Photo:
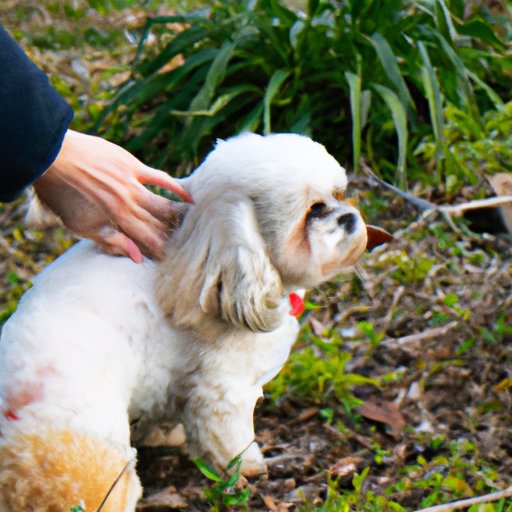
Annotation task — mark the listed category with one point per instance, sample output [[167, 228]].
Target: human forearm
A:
[[33, 120]]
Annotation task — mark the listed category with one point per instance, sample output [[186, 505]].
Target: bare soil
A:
[[441, 304]]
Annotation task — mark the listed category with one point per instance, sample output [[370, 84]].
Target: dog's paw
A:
[[253, 463]]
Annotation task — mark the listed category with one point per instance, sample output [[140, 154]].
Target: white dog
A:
[[100, 348]]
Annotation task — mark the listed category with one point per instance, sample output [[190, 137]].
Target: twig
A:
[[490, 202], [397, 295], [421, 336], [422, 205], [455, 505], [109, 492]]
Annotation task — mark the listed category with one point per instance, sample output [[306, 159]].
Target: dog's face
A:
[[269, 217], [297, 191]]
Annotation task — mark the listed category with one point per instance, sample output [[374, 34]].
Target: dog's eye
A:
[[317, 210], [339, 195]]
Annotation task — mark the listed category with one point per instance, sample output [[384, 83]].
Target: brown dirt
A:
[[441, 302]]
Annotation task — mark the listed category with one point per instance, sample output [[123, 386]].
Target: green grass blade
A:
[[354, 83], [492, 95], [207, 471], [285, 15], [433, 94], [400, 120], [312, 7], [465, 91], [215, 75], [389, 63], [182, 42], [274, 85], [366, 101], [252, 121], [219, 103], [443, 20], [478, 28]]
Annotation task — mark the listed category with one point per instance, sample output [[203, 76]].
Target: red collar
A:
[[297, 304]]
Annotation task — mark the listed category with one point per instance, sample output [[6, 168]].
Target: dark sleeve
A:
[[33, 120]]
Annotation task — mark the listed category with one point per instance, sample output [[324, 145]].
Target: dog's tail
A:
[[60, 471]]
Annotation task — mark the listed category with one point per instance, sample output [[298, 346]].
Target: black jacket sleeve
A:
[[33, 120]]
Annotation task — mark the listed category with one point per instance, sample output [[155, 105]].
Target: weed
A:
[[471, 146], [16, 287], [318, 372], [369, 68], [368, 329], [224, 491]]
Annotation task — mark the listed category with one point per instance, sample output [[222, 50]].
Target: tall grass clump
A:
[[368, 77]]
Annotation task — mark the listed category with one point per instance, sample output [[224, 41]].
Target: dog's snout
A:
[[348, 221]]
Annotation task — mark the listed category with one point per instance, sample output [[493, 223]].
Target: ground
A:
[[398, 390], [397, 395]]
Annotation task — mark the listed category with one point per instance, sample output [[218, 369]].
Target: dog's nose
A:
[[348, 221]]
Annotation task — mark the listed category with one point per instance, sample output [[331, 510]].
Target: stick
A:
[[420, 204], [109, 492], [455, 505], [490, 202], [435, 332], [448, 209]]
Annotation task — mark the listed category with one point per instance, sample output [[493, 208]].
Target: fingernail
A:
[[187, 197], [133, 251]]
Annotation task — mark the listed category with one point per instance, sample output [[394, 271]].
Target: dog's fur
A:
[[101, 348]]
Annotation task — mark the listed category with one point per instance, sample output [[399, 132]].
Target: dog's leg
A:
[[222, 391], [218, 419], [54, 470]]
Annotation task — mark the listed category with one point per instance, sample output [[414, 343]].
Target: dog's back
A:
[[67, 355]]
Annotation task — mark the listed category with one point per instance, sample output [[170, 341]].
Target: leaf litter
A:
[[427, 319], [428, 316]]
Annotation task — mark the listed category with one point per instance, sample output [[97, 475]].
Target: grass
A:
[[370, 78], [363, 340], [225, 490]]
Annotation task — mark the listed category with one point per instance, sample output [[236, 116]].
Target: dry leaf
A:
[[346, 466], [270, 503], [383, 412], [502, 185], [166, 499], [272, 506], [308, 413]]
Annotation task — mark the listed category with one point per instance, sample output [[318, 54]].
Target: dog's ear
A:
[[218, 269], [377, 236]]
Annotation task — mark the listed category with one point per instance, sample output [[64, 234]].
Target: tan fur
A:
[[54, 471], [298, 242]]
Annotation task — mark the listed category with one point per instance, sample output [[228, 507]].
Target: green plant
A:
[[318, 372], [473, 148], [381, 71], [17, 286], [368, 329], [224, 491]]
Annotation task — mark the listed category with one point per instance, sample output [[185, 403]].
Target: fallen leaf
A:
[[310, 412], [269, 503], [502, 185], [384, 412], [168, 498], [345, 467]]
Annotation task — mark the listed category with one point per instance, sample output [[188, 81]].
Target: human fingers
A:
[[143, 228], [158, 206], [116, 243], [148, 175]]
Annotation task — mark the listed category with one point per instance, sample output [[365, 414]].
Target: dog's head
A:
[[269, 217]]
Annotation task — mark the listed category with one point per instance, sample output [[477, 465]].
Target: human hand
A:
[[97, 190]]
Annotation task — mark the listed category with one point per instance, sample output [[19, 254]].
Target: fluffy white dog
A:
[[100, 348]]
